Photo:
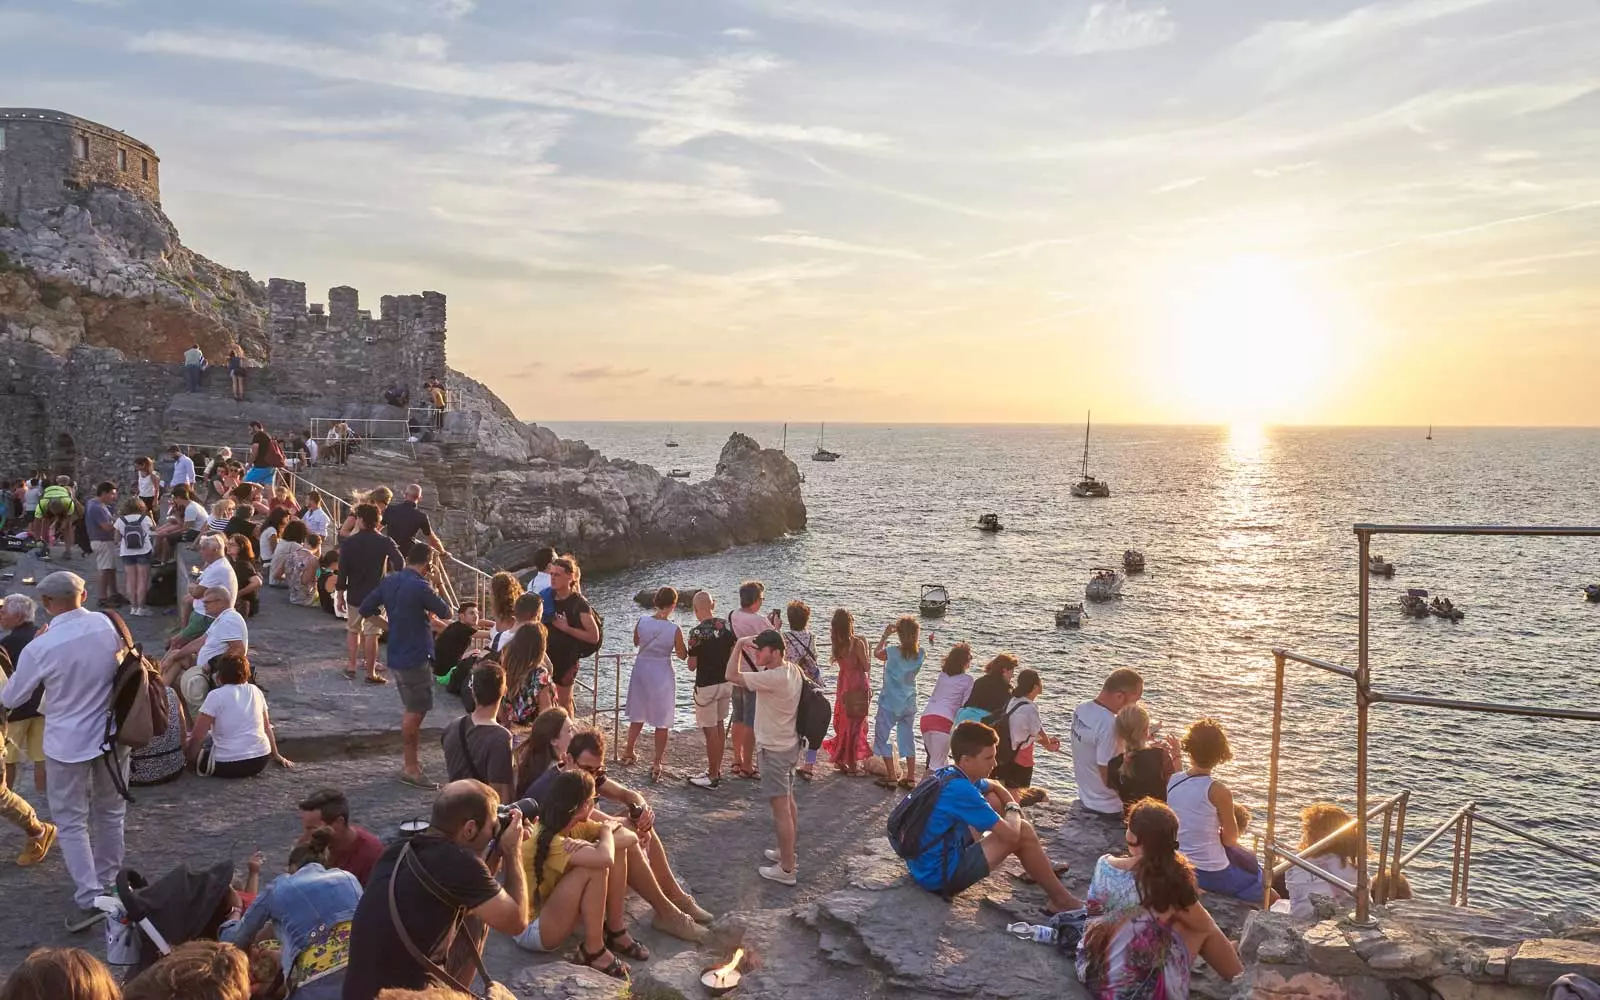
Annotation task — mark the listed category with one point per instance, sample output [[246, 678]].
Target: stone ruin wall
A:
[[43, 163], [344, 352]]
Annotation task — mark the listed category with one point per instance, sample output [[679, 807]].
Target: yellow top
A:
[[555, 865]]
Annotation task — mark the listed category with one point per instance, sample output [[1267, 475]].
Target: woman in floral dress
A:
[[848, 746]]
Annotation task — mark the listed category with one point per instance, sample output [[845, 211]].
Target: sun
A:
[[1251, 342]]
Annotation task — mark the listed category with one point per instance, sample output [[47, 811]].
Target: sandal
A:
[[617, 969], [905, 783], [803, 775], [888, 783], [628, 760], [376, 679], [634, 950], [655, 773]]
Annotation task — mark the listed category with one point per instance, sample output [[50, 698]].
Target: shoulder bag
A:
[[444, 977]]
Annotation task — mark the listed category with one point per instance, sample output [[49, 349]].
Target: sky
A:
[[1186, 211]]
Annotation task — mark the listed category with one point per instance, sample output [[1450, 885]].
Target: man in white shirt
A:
[[74, 661], [189, 665], [182, 470], [1094, 740], [215, 572], [187, 521], [777, 745], [317, 520]]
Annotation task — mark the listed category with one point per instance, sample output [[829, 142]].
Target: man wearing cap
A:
[[74, 661], [777, 681]]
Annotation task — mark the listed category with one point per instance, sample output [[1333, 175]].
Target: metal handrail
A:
[[1462, 822], [1393, 802], [1366, 697]]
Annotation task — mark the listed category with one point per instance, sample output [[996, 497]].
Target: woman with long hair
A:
[[546, 744], [1341, 857], [852, 698], [1141, 771], [1027, 729], [992, 691], [310, 908], [242, 557], [270, 530], [135, 541], [149, 482], [1145, 922], [301, 573], [568, 860], [949, 694], [504, 589], [290, 539], [652, 689], [60, 974], [897, 699], [1208, 825], [236, 371], [232, 736], [528, 690]]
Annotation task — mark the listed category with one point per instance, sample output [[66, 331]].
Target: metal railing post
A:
[[616, 701], [1363, 682], [1399, 847], [1455, 860], [1272, 774], [1466, 852]]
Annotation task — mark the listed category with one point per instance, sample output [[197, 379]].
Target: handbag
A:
[[856, 703], [492, 990]]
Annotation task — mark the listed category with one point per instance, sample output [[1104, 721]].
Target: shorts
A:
[[416, 689], [1234, 880], [105, 555], [261, 475], [897, 724], [1014, 775], [367, 628], [25, 739], [744, 706], [142, 559], [711, 705], [531, 940], [565, 675], [972, 868], [777, 771]]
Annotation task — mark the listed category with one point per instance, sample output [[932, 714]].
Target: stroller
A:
[[180, 906]]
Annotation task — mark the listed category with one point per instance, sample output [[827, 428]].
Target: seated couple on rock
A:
[[975, 824], [555, 749]]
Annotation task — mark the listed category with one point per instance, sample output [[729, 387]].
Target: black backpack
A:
[[812, 715], [133, 533], [1000, 722], [908, 822]]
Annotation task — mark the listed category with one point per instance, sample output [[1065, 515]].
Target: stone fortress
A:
[[99, 298], [46, 156]]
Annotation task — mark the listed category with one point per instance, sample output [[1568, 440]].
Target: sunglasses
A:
[[597, 773]]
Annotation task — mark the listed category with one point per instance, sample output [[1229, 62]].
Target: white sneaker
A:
[[705, 780], [775, 873], [776, 857]]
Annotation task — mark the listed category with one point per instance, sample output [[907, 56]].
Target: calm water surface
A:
[[1248, 540]]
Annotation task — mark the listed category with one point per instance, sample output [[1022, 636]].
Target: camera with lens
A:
[[528, 807]]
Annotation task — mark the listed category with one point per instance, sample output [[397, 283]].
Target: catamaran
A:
[[822, 454], [1088, 486]]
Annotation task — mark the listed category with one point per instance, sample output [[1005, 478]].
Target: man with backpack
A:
[[75, 661], [778, 682], [932, 828]]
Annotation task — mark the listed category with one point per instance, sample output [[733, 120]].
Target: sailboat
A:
[[1089, 486], [1430, 432], [823, 454], [672, 439]]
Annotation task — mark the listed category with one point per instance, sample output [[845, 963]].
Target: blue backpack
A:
[[908, 822]]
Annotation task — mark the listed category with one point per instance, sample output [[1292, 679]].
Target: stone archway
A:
[[64, 456]]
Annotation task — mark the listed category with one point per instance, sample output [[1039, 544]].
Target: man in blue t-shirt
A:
[[953, 857]]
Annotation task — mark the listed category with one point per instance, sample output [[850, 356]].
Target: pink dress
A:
[[848, 744]]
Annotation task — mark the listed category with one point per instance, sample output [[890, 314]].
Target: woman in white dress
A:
[[652, 693]]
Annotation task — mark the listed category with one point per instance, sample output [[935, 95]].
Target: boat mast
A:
[[786, 439], [1086, 444]]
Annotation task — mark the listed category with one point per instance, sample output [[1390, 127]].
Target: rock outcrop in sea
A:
[[99, 298]]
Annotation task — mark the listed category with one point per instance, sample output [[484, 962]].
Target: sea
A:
[[1248, 541]]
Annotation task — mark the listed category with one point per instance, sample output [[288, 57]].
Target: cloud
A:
[[796, 238], [678, 100], [396, 46], [605, 373], [742, 34], [1113, 26], [1187, 182], [453, 9]]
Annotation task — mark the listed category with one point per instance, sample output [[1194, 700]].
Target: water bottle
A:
[[1044, 934]]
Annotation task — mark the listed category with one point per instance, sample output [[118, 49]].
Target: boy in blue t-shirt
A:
[[953, 859]]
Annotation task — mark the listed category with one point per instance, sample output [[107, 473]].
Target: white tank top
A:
[[1199, 831]]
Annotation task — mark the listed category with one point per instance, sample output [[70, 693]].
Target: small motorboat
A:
[[1414, 603], [1133, 561], [935, 600], [990, 522], [1070, 616], [1379, 566], [1104, 585], [678, 474], [1440, 607], [1591, 593]]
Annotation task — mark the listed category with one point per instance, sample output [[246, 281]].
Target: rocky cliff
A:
[[110, 271]]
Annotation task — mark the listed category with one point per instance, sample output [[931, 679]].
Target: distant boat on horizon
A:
[[822, 454], [1430, 432], [672, 438]]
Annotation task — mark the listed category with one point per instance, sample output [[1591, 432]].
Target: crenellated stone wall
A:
[[343, 351]]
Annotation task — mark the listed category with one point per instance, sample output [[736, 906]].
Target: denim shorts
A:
[[970, 870], [1234, 880], [143, 559], [744, 706]]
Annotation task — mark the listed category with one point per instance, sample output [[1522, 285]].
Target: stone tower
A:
[[46, 156]]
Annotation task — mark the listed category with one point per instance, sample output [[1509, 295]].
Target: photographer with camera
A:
[[420, 921]]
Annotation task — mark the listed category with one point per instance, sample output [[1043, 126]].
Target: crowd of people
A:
[[518, 840]]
